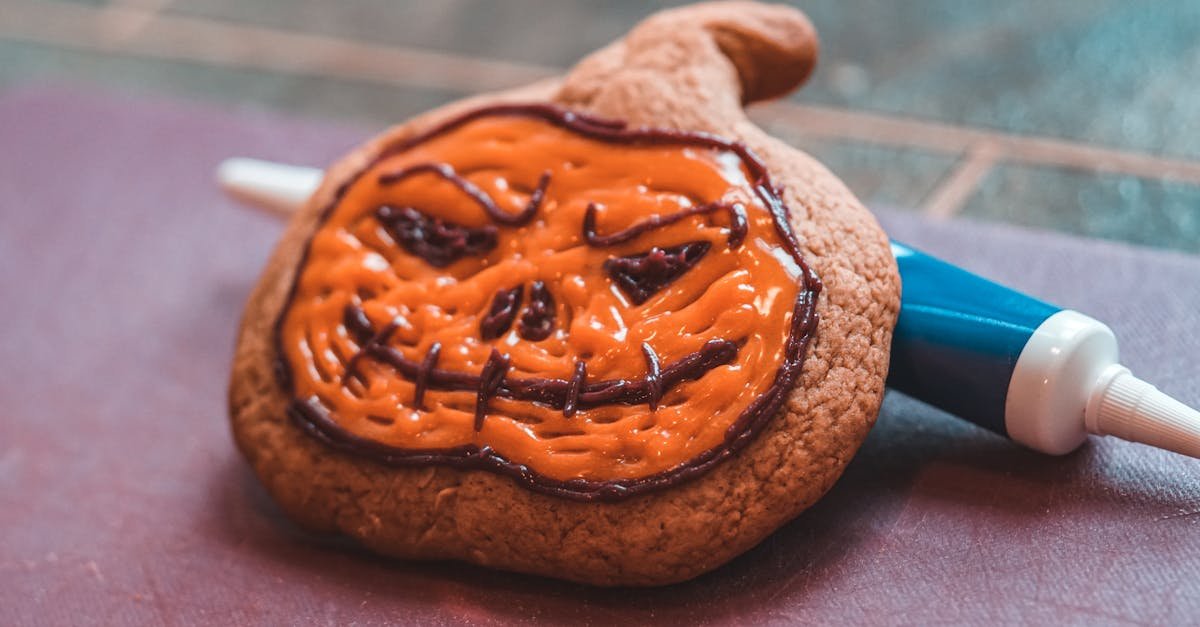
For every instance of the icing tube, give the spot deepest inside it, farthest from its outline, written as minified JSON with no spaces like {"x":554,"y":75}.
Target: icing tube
{"x":1036,"y":373}
{"x":1041,"y":375}
{"x":959,"y":337}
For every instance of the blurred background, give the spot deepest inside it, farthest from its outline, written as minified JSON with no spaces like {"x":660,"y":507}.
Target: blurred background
{"x":1075,"y":116}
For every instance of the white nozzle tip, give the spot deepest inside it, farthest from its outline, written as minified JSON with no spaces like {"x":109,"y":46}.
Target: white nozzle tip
{"x":275,"y":187}
{"x":1131,"y":409}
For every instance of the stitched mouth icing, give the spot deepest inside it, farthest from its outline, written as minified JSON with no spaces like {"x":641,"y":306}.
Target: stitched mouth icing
{"x":593,"y":310}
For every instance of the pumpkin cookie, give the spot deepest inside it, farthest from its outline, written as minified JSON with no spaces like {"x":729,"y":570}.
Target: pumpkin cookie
{"x":601,"y":328}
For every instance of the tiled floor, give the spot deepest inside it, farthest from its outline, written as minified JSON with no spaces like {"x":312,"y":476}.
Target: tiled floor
{"x":1080,"y":116}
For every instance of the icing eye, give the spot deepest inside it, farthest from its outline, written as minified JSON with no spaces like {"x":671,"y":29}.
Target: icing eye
{"x":438,"y":242}
{"x":643,"y":275}
{"x":502,"y":313}
{"x":537,"y":321}
{"x":357,"y":324}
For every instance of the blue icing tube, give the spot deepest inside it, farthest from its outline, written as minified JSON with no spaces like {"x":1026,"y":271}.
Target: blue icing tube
{"x":958,"y":337}
{"x":1039,"y":374}
{"x":1036,"y":373}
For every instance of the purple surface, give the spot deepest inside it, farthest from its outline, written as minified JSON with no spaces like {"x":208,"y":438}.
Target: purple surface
{"x":123,"y":272}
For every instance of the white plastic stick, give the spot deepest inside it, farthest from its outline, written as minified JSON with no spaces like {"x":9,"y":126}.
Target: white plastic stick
{"x":274,"y":187}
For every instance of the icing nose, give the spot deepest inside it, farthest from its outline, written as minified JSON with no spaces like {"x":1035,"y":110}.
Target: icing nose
{"x":500,"y":315}
{"x":536,"y":321}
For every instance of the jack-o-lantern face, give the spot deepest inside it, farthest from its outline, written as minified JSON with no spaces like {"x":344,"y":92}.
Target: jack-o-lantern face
{"x":593,"y":310}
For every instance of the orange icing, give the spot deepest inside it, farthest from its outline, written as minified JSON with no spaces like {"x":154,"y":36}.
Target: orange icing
{"x":743,"y":294}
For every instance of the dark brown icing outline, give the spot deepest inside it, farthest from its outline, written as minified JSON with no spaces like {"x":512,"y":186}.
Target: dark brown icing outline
{"x":316,"y":420}
{"x":738,"y":225}
{"x":643,"y":275}
{"x":485,"y":202}
{"x":438,"y":242}
{"x":554,"y":393}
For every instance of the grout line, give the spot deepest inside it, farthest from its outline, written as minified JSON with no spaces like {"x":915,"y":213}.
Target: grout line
{"x":827,"y":122}
{"x":948,"y":198}
{"x":122,"y":20}
{"x":185,"y":38}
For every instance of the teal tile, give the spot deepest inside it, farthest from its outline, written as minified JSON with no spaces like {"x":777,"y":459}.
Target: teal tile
{"x":1158,"y":214}
{"x":1122,"y":74}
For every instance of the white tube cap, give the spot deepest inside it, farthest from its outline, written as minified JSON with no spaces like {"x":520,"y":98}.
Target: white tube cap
{"x":1131,"y":409}
{"x":1068,"y":383}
